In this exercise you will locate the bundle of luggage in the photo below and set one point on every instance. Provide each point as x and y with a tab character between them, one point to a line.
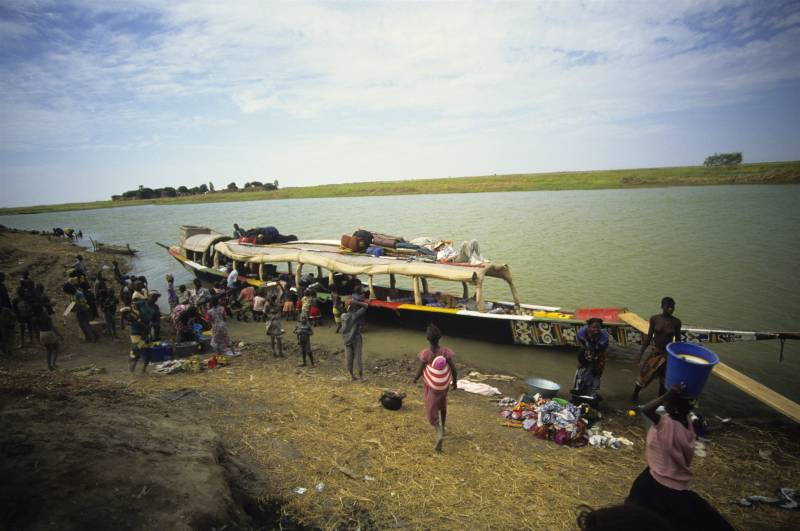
376	243
265	236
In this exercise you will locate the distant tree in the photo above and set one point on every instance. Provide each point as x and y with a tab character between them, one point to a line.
232	187
256	184
210	186
146	193
723	159
169	192
194	190
116	197
275	183
183	190
203	188
269	186
130	194
246	185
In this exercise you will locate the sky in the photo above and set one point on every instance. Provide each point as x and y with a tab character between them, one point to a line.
99	97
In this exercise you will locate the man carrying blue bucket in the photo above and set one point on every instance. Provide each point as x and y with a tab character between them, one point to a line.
664	328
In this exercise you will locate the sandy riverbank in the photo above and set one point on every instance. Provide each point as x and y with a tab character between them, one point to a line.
199	450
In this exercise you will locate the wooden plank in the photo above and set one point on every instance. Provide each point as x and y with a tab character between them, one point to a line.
758	390
741	381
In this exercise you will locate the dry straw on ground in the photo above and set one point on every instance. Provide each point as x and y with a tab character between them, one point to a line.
379	469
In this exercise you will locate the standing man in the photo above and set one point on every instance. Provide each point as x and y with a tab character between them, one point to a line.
351	333
593	341
151	315
664	329
138	340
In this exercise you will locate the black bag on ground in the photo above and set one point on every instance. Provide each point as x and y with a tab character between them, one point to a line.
392	400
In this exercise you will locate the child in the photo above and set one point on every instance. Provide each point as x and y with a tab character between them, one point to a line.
172	295
304	333
274	330
314	312
259	302
288	305
305	303
338	310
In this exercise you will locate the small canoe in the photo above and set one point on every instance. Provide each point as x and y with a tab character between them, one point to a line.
98	247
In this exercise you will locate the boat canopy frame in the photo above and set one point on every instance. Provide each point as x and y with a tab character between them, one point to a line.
335	259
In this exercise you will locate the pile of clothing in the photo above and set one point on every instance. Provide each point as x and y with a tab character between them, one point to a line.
556	420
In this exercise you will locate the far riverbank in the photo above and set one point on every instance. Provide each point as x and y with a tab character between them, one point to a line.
758	173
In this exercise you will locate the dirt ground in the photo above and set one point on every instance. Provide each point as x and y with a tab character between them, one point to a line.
92	446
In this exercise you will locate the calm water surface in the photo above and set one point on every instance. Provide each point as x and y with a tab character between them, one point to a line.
729	255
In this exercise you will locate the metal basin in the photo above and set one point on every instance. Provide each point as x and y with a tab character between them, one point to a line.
546	388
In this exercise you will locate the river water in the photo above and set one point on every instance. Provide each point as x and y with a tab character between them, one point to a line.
729	255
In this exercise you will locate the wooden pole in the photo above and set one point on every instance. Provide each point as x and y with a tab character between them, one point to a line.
216	260
464	291
417	296
479	296
371	288
392	281
297	272
741	381
261	271
424	284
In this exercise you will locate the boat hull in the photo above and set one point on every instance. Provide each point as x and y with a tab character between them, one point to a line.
536	326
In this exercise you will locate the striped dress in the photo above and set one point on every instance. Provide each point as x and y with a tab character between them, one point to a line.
436	382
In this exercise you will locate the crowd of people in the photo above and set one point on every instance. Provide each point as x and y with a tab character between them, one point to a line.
660	493
30	312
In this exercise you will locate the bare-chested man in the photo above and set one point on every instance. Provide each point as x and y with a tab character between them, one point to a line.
664	328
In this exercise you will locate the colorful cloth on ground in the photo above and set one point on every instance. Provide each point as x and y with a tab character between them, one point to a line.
219	330
435	396
545	418
654	365
478	388
670	448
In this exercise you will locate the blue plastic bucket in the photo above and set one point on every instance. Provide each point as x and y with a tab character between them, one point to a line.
689	364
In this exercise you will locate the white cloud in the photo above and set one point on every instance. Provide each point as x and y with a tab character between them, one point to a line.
435	78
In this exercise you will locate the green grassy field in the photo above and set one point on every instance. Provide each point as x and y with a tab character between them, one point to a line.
760	173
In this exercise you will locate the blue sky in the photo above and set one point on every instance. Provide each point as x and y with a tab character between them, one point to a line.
99	97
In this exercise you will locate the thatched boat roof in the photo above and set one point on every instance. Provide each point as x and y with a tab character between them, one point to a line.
330	256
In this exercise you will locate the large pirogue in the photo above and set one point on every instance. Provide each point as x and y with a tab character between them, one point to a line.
210	255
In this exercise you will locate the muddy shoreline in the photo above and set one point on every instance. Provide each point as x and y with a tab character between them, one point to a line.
229	446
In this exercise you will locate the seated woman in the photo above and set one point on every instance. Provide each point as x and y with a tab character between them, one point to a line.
663	486
593	341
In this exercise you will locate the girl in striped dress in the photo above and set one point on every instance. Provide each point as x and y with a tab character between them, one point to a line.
438	372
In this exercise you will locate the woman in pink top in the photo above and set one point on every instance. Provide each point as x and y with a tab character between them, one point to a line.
663	487
438	372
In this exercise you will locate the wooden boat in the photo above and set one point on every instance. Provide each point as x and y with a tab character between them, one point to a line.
209	255
98	247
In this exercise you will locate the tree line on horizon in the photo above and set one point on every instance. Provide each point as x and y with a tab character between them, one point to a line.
168	191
